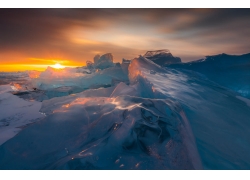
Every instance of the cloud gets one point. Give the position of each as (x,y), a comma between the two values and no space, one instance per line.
(78,34)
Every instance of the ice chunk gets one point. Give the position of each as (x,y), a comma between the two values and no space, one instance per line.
(90,65)
(162,57)
(34,95)
(219,120)
(230,71)
(54,79)
(124,65)
(96,58)
(105,133)
(105,61)
(48,106)
(34,74)
(123,89)
(62,91)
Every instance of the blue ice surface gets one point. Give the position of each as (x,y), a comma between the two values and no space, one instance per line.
(219,119)
(169,119)
(231,71)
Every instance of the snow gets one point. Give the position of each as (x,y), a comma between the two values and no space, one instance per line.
(15,113)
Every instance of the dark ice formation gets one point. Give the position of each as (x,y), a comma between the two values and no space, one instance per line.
(162,57)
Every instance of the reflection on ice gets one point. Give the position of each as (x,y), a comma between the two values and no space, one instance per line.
(219,120)
(120,127)
(137,115)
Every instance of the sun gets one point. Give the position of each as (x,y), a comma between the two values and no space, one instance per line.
(58,66)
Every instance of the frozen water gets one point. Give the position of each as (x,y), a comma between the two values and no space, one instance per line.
(52,79)
(219,120)
(106,133)
(15,113)
(105,61)
(9,77)
(146,117)
(124,65)
(162,57)
(230,71)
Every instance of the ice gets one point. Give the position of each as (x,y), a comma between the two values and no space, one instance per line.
(8,77)
(96,58)
(15,113)
(137,115)
(105,61)
(247,101)
(48,106)
(162,57)
(52,80)
(90,65)
(105,133)
(230,71)
(124,65)
(219,120)
(123,89)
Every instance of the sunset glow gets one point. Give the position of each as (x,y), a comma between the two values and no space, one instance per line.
(124,88)
(58,66)
(70,37)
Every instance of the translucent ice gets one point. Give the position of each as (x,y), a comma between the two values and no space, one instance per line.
(53,78)
(164,118)
(230,71)
(162,57)
(106,133)
(105,61)
(219,119)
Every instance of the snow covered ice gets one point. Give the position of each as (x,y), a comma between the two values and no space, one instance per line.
(140,115)
(15,113)
(230,71)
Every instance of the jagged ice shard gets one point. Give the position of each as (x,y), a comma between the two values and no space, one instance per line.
(231,71)
(155,118)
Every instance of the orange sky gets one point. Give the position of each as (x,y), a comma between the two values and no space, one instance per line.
(32,39)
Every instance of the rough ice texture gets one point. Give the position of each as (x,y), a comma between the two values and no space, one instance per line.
(15,113)
(112,131)
(219,119)
(9,77)
(124,65)
(105,61)
(53,79)
(165,118)
(162,57)
(105,133)
(230,71)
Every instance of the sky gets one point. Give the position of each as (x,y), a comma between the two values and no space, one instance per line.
(35,38)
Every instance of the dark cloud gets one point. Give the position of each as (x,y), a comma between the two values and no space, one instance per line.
(39,32)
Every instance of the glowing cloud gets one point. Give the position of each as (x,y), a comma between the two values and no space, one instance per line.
(58,66)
